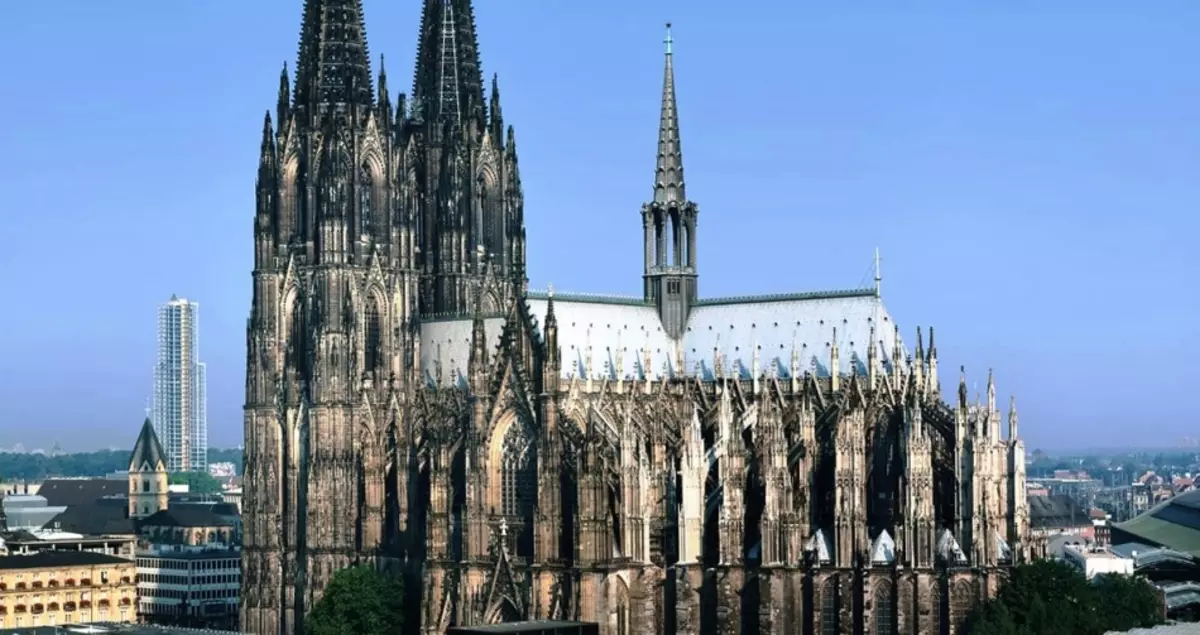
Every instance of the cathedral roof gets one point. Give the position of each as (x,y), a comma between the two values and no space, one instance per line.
(615,337)
(148,453)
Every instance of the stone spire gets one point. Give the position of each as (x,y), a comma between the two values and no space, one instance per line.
(333,65)
(668,171)
(669,220)
(448,80)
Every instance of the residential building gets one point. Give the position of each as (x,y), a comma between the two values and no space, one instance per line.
(180,416)
(59,587)
(667,463)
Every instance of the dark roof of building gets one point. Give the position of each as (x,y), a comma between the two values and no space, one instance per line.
(186,516)
(148,453)
(58,558)
(68,492)
(95,519)
(1173,523)
(1056,511)
(218,508)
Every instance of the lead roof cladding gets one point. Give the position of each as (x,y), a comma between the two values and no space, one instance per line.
(613,337)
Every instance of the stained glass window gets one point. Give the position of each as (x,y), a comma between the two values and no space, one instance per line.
(517,478)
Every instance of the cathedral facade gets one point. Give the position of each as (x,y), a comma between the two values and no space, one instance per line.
(663,464)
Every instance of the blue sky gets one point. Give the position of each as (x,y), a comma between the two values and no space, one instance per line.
(1029,173)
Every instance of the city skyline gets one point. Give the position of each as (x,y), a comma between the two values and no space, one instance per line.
(1103,209)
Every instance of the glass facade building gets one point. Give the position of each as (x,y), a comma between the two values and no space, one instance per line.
(180,417)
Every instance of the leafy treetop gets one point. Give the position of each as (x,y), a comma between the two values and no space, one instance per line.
(358,601)
(1050,597)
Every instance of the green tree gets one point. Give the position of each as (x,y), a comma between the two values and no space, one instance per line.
(1128,602)
(358,601)
(1050,597)
(197,482)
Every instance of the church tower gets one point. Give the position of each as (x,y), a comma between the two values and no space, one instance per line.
(147,474)
(331,334)
(459,171)
(669,220)
(369,215)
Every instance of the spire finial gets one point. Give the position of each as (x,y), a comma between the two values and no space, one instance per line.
(550,290)
(147,407)
(669,41)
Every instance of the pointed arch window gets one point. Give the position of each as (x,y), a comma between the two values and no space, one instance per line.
(885,610)
(366,194)
(829,607)
(372,336)
(516,471)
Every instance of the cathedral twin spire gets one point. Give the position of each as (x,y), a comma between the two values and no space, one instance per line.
(333,64)
(448,80)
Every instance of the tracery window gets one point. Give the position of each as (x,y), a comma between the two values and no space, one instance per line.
(829,608)
(885,610)
(371,336)
(516,471)
(365,194)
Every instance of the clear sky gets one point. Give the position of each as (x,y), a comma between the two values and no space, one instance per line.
(1030,172)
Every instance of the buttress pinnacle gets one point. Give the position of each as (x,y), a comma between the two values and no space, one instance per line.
(668,172)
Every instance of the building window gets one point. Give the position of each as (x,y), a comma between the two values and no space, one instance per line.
(145,486)
(372,336)
(365,194)
(829,608)
(516,471)
(885,610)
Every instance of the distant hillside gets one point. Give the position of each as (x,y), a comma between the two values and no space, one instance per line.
(37,467)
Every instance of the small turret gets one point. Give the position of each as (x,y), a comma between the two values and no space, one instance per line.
(933,384)
(495,114)
(284,103)
(1012,419)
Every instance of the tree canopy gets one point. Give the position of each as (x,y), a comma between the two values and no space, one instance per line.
(1050,597)
(30,467)
(197,482)
(358,601)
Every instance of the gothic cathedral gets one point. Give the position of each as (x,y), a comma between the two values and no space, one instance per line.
(669,464)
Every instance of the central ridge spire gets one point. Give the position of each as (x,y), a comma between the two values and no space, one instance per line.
(448,81)
(333,65)
(668,173)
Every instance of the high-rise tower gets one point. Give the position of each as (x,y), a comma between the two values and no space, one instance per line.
(669,219)
(368,215)
(180,417)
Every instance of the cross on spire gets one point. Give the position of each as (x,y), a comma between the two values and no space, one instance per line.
(670,40)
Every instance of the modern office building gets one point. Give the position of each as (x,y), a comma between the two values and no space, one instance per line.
(180,419)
